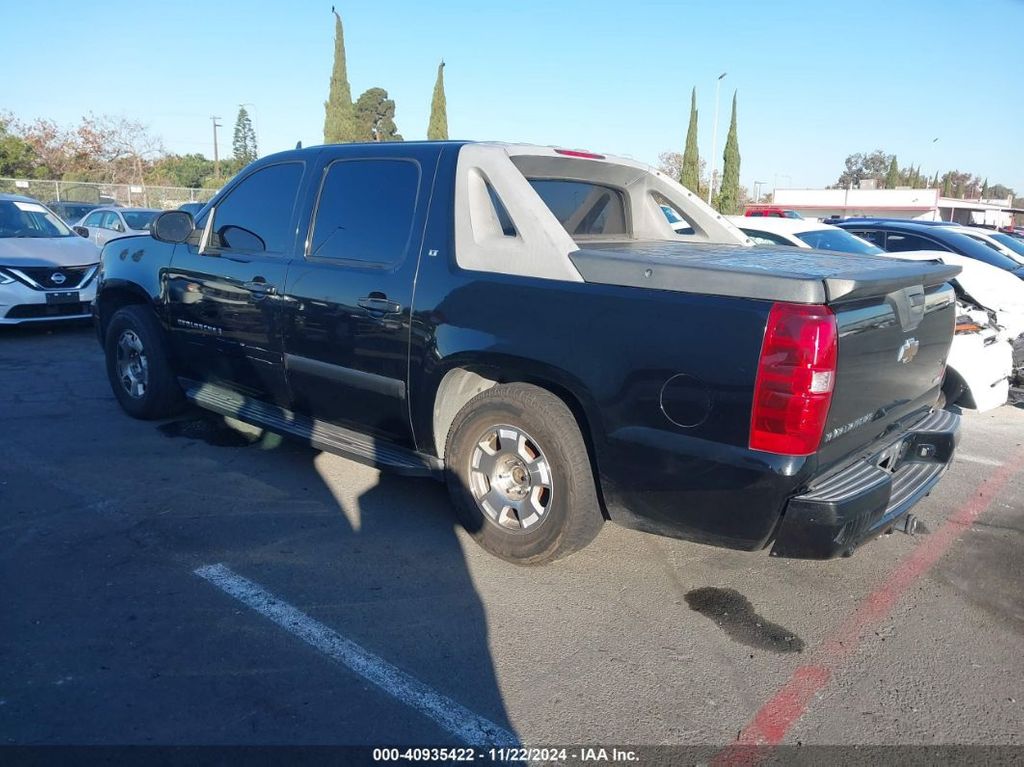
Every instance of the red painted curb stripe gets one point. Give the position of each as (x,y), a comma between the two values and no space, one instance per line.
(774,719)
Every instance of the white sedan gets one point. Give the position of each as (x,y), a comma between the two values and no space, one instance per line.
(104,224)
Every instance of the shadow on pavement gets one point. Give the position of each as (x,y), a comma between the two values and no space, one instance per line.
(113,639)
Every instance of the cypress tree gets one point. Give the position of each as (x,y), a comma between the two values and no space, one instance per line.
(437,128)
(729,195)
(339,112)
(690,175)
(892,177)
(947,184)
(984,189)
(935,181)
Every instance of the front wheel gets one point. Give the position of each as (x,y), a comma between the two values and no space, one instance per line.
(138,366)
(520,476)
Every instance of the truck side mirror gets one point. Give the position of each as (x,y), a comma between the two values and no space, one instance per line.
(174,226)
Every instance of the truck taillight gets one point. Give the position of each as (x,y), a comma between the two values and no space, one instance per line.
(795,378)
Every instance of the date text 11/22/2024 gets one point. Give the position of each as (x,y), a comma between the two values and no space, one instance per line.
(504,755)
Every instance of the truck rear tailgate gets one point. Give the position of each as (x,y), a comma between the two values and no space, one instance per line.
(895,318)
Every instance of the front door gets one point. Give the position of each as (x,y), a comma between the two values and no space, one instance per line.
(348,301)
(225,291)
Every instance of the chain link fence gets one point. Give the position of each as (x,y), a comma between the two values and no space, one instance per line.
(127,195)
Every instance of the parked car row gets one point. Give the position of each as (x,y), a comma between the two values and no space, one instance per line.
(990,309)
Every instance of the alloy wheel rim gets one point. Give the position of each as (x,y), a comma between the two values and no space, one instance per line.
(132,365)
(510,479)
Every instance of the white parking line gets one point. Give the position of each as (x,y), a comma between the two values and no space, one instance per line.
(968,458)
(456,719)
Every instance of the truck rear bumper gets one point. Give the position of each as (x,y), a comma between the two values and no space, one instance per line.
(842,511)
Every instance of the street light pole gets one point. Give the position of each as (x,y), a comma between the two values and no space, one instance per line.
(714,138)
(216,157)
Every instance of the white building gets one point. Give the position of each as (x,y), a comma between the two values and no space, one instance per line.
(924,204)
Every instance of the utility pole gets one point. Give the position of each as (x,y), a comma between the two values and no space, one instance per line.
(714,138)
(216,157)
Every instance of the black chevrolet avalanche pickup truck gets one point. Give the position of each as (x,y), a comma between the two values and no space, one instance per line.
(523,323)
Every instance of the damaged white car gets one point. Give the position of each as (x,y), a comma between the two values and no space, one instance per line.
(990,308)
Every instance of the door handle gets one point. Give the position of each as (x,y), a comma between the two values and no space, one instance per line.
(260,286)
(380,303)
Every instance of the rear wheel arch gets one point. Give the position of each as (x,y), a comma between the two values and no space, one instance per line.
(461,384)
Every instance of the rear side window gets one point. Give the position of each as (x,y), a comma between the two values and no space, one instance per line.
(874,236)
(365,211)
(256,216)
(765,238)
(584,209)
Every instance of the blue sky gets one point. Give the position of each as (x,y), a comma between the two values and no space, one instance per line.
(816,80)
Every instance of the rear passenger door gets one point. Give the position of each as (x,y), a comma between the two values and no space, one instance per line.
(348,307)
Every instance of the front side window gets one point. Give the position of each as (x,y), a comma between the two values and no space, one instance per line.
(30,219)
(902,243)
(839,241)
(256,215)
(111,221)
(584,209)
(93,219)
(366,210)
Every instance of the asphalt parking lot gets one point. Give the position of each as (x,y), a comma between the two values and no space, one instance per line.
(111,636)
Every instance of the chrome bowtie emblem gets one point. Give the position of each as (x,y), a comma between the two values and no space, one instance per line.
(908,350)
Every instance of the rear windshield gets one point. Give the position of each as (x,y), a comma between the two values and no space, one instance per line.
(839,241)
(584,209)
(30,219)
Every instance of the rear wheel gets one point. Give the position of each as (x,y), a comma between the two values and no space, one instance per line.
(520,476)
(138,367)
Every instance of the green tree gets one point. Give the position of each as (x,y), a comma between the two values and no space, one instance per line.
(16,155)
(690,176)
(947,184)
(892,176)
(375,117)
(861,166)
(935,181)
(339,113)
(189,170)
(729,194)
(244,142)
(984,188)
(437,128)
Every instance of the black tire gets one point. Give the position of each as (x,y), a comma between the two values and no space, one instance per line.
(571,516)
(160,396)
(953,390)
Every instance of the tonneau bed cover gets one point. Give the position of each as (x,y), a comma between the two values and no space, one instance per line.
(765,273)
